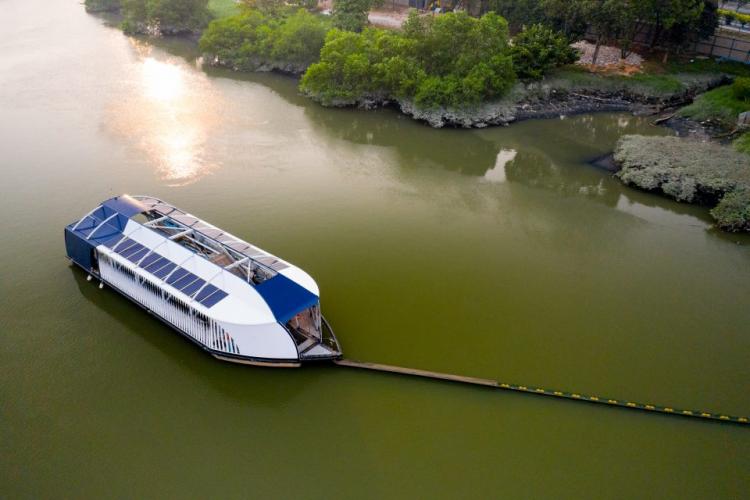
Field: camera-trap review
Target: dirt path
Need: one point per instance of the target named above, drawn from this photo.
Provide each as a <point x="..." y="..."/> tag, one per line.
<point x="389" y="18"/>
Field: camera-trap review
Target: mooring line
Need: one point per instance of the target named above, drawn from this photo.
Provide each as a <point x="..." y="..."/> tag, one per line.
<point x="706" y="415"/>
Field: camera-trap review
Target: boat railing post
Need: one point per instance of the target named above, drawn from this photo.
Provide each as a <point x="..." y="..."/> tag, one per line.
<point x="100" y="225"/>
<point x="85" y="217"/>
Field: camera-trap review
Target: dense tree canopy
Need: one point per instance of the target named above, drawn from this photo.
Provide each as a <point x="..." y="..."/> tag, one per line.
<point x="290" y="40"/>
<point x="519" y="13"/>
<point x="170" y="16"/>
<point x="351" y="15"/>
<point x="448" y="60"/>
<point x="538" y="49"/>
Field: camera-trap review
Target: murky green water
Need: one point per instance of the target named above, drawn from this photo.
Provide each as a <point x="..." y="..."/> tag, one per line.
<point x="497" y="253"/>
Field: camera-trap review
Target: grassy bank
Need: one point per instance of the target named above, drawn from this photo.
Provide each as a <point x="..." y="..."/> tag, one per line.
<point x="722" y="106"/>
<point x="719" y="106"/>
<point x="692" y="172"/>
<point x="642" y="86"/>
<point x="657" y="81"/>
<point x="742" y="143"/>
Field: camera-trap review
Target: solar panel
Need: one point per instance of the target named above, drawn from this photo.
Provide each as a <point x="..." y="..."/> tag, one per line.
<point x="207" y="290"/>
<point x="184" y="281"/>
<point x="150" y="260"/>
<point x="122" y="243"/>
<point x="210" y="232"/>
<point x="156" y="265"/>
<point x="132" y="249"/>
<point x="238" y="245"/>
<point x="177" y="275"/>
<point x="126" y="246"/>
<point x="193" y="287"/>
<point x="113" y="241"/>
<point x="161" y="272"/>
<point x="165" y="209"/>
<point x="188" y="220"/>
<point x="138" y="254"/>
<point x="214" y="298"/>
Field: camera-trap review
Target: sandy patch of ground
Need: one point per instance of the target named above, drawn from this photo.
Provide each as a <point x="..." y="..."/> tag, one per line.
<point x="391" y="17"/>
<point x="388" y="17"/>
<point x="609" y="59"/>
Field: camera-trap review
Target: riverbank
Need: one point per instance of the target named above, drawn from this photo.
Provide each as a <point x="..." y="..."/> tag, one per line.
<point x="258" y="42"/>
<point x="570" y="92"/>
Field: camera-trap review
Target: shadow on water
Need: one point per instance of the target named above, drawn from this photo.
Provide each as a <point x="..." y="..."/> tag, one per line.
<point x="456" y="150"/>
<point x="238" y="382"/>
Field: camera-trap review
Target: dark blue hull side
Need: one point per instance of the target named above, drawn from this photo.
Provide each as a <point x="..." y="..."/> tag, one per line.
<point x="79" y="249"/>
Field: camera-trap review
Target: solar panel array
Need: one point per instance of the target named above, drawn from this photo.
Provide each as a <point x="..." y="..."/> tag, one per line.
<point x="161" y="267"/>
<point x="200" y="226"/>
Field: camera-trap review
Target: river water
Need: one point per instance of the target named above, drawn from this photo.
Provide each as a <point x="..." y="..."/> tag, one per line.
<point x="497" y="253"/>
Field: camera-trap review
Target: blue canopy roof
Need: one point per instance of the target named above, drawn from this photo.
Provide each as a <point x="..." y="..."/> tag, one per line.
<point x="125" y="205"/>
<point x="285" y="297"/>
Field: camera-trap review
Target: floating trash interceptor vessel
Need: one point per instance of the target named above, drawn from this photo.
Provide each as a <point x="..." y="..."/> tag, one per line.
<point x="233" y="299"/>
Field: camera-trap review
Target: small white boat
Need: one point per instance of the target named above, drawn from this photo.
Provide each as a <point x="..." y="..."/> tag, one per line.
<point x="233" y="299"/>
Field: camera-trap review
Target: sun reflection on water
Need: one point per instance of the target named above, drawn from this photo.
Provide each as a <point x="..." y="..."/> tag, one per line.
<point x="162" y="81"/>
<point x="168" y="113"/>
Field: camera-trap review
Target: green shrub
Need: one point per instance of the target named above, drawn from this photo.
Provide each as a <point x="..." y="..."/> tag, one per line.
<point x="351" y="15"/>
<point x="733" y="211"/>
<point x="690" y="171"/>
<point x="538" y="49"/>
<point x="450" y="60"/>
<point x="299" y="38"/>
<point x="290" y="41"/>
<point x="170" y="16"/>
<point x="741" y="89"/>
<point x="355" y="66"/>
<point x="102" y="5"/>
<point x="469" y="55"/>
<point x="742" y="143"/>
<point x="730" y="15"/>
<point x="519" y="13"/>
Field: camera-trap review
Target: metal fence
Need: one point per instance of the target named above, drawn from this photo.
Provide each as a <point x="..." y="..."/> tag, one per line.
<point x="725" y="47"/>
<point x="720" y="45"/>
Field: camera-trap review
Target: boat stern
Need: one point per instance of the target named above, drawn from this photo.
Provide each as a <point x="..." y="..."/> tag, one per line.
<point x="326" y="348"/>
<point x="313" y="336"/>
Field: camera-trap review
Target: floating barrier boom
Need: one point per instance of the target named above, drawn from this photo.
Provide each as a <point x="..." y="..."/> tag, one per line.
<point x="543" y="392"/>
